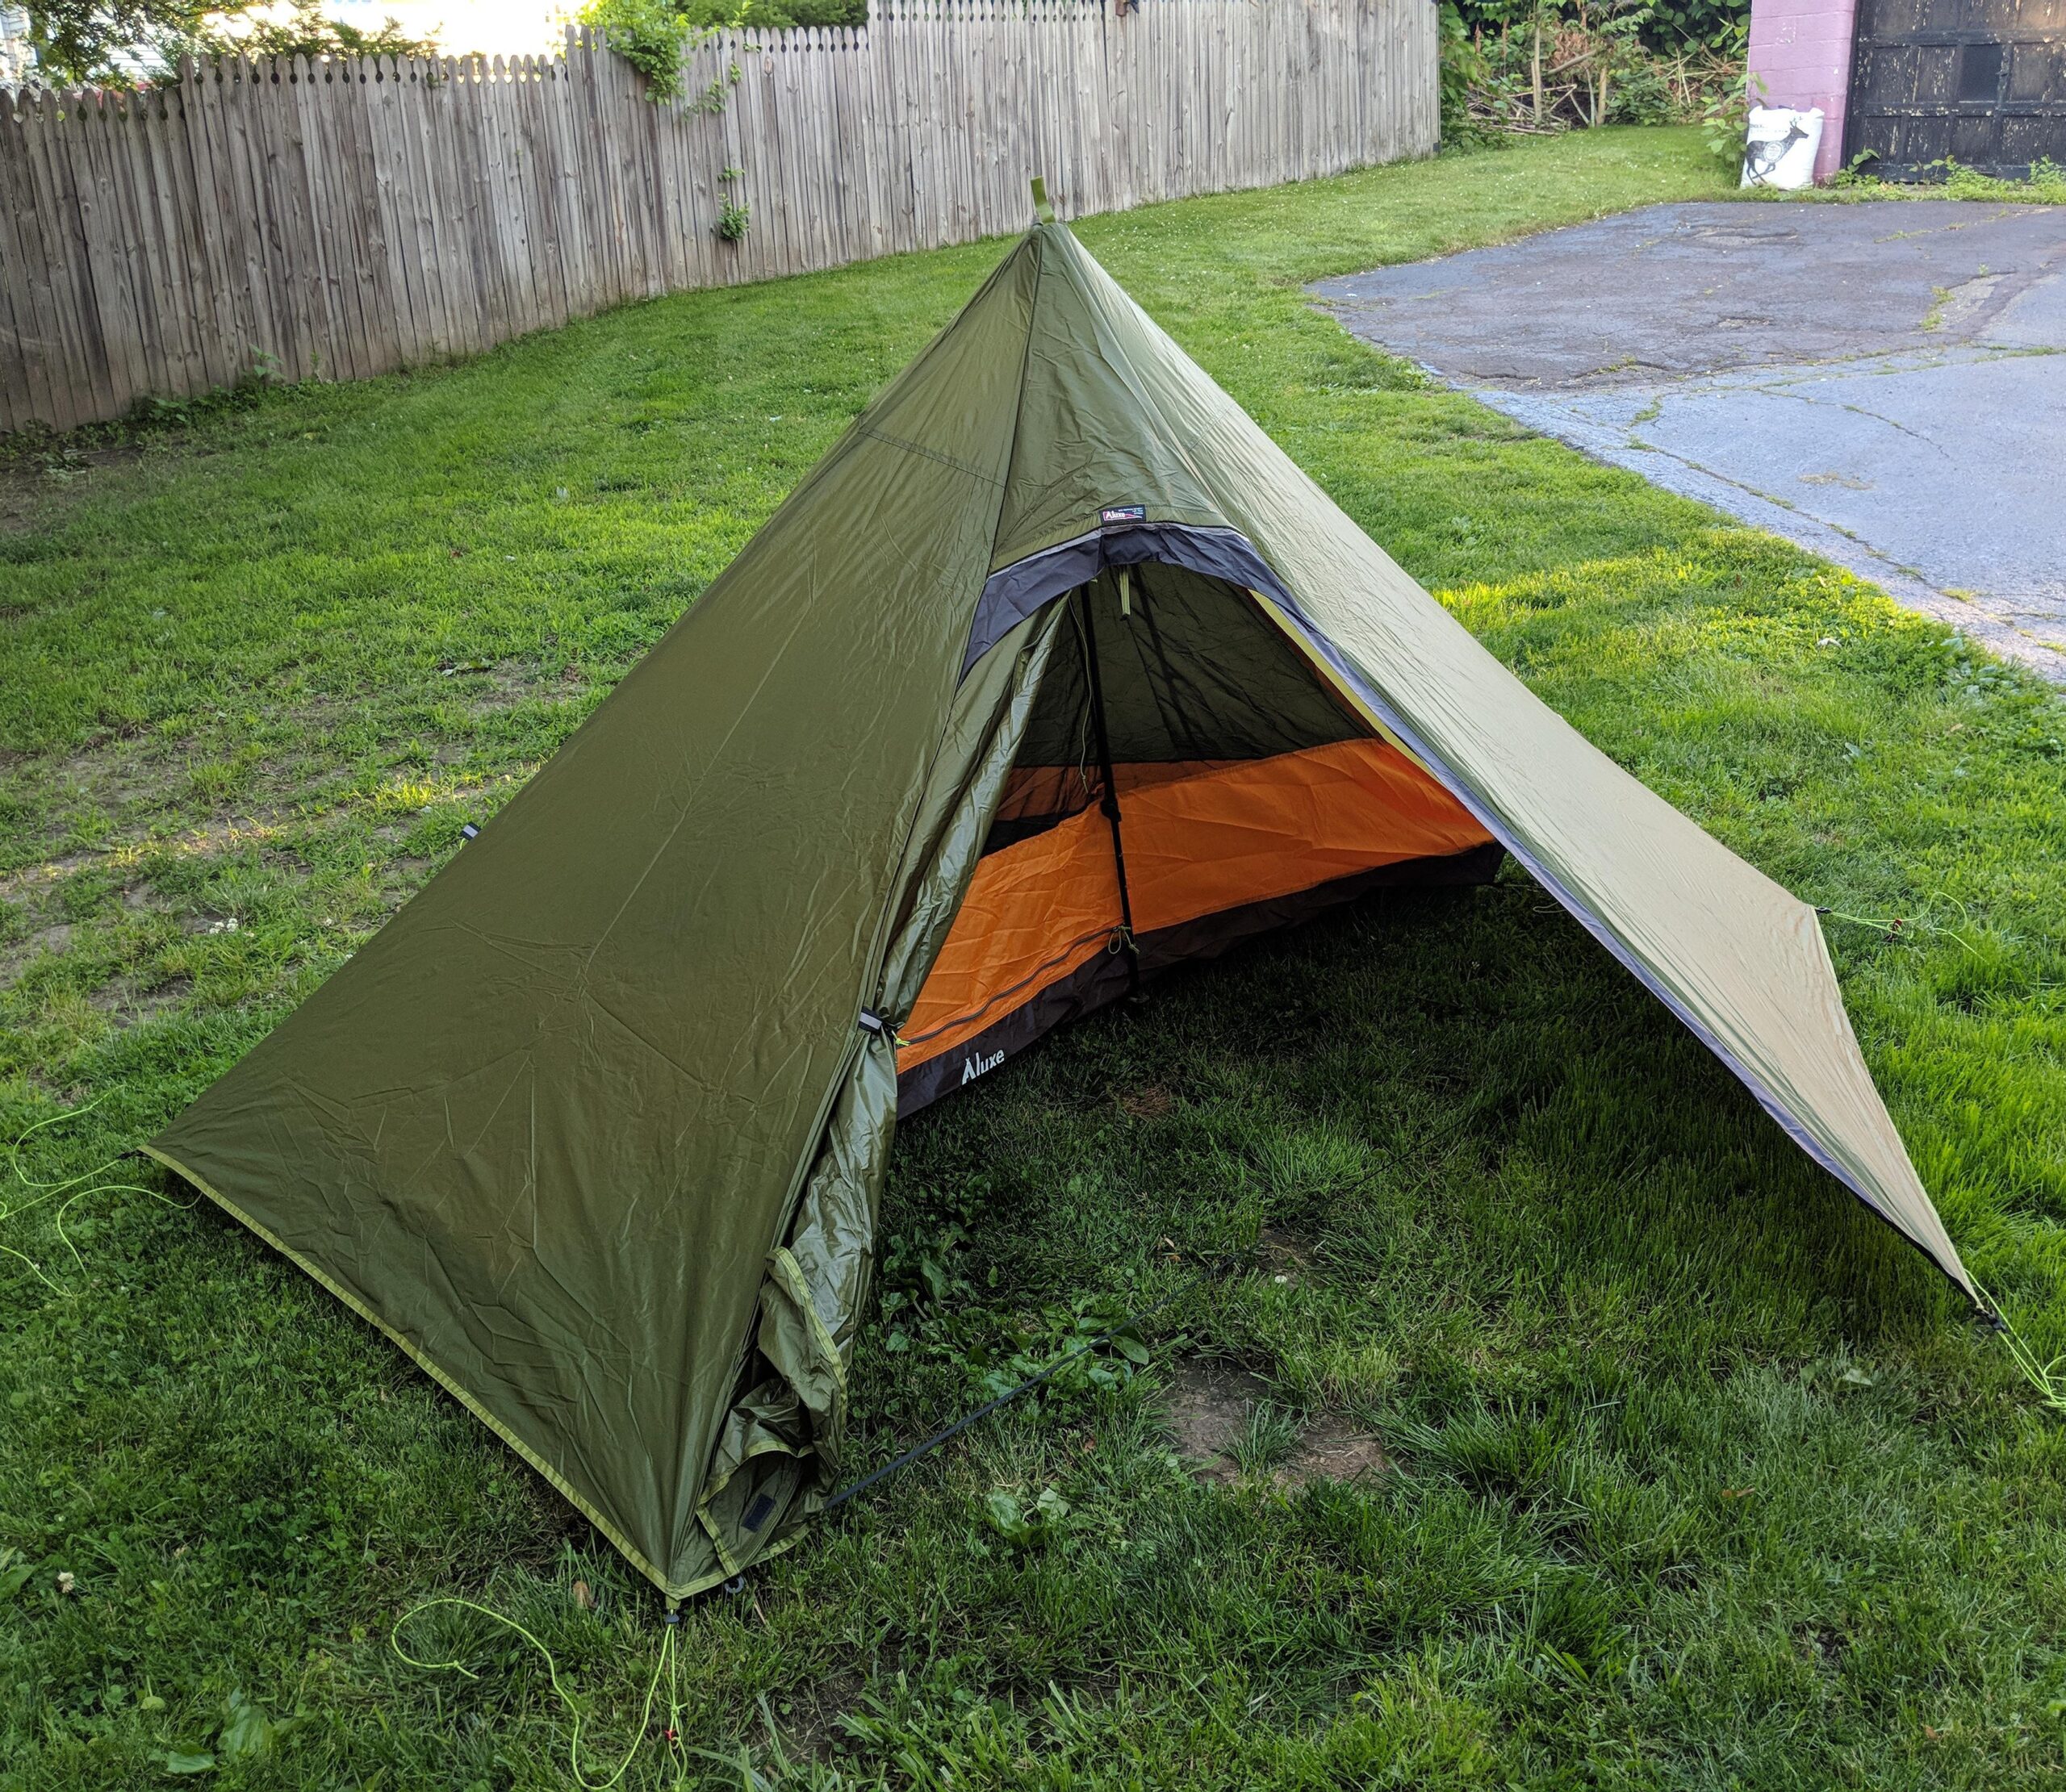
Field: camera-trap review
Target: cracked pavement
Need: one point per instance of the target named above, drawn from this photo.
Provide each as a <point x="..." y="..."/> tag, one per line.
<point x="1884" y="383"/>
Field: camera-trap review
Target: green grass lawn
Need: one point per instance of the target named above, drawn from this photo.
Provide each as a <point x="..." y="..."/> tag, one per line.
<point x="1698" y="1478"/>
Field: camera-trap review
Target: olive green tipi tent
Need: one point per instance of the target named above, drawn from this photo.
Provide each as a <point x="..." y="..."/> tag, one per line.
<point x="1055" y="671"/>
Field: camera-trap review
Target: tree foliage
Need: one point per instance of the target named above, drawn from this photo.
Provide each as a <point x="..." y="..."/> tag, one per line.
<point x="121" y="43"/>
<point x="310" y="31"/>
<point x="115" y="42"/>
<point x="654" y="35"/>
<point x="1668" y="25"/>
<point x="775" y="15"/>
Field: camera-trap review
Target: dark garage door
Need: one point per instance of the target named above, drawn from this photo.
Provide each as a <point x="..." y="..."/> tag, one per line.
<point x="1980" y="82"/>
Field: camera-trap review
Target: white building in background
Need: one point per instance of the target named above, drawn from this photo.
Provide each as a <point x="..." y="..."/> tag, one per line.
<point x="492" y="27"/>
<point x="16" y="58"/>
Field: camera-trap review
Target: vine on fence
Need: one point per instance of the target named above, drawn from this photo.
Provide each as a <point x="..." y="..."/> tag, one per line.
<point x="735" y="216"/>
<point x="711" y="98"/>
<point x="656" y="38"/>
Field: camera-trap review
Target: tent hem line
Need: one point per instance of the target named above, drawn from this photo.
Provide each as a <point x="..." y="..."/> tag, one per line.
<point x="442" y="1377"/>
<point x="1593" y="925"/>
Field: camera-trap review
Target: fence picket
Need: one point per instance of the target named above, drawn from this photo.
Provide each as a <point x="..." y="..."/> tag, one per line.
<point x="25" y="390"/>
<point x="341" y="219"/>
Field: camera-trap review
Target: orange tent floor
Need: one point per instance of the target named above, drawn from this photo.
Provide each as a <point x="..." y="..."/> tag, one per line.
<point x="1215" y="851"/>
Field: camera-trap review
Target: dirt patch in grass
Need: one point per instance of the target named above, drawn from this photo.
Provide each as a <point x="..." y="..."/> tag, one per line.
<point x="119" y="776"/>
<point x="39" y="473"/>
<point x="1286" y="1259"/>
<point x="1332" y="1448"/>
<point x="812" y="1719"/>
<point x="125" y="1001"/>
<point x="212" y="840"/>
<point x="1215" y="1410"/>
<point x="16" y="958"/>
<point x="486" y="686"/>
<point x="34" y="879"/>
<point x="57" y="939"/>
<point x="1206" y="1408"/>
<point x="1821" y="1645"/>
<point x="1151" y="1103"/>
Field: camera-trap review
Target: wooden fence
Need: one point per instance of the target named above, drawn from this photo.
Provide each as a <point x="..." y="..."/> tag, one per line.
<point x="342" y="218"/>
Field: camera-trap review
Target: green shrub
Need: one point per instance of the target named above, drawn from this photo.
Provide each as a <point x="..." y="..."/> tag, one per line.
<point x="776" y="15"/>
<point x="1668" y="26"/>
<point x="655" y="36"/>
<point x="652" y="35"/>
<point x="1643" y="94"/>
<point x="1726" y="121"/>
<point x="1464" y="72"/>
<point x="1547" y="66"/>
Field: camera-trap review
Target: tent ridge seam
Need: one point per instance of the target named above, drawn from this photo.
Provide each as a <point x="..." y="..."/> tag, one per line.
<point x="878" y="940"/>
<point x="1011" y="453"/>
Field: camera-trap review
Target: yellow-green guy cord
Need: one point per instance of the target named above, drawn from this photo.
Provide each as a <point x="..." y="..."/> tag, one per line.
<point x="1894" y="925"/>
<point x="50" y="1191"/>
<point x="666" y="1658"/>
<point x="2045" y="1378"/>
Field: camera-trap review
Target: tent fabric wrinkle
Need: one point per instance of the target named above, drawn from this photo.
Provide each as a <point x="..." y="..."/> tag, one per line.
<point x="595" y="1129"/>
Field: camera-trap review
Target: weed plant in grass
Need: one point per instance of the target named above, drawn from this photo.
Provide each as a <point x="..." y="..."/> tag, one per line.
<point x="2045" y="185"/>
<point x="1701" y="1479"/>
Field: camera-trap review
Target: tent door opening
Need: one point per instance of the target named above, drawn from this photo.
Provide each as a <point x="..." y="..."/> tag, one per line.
<point x="1187" y="780"/>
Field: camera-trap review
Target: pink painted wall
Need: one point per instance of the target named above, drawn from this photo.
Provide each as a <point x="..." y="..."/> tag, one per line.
<point x="1800" y="49"/>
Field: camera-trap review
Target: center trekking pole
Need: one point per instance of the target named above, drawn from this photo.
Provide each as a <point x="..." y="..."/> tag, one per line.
<point x="1110" y="801"/>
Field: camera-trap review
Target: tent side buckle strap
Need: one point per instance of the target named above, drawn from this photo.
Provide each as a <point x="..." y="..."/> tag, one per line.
<point x="882" y="1027"/>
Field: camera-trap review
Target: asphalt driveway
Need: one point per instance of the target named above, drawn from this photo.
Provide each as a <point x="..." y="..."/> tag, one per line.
<point x="1884" y="383"/>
